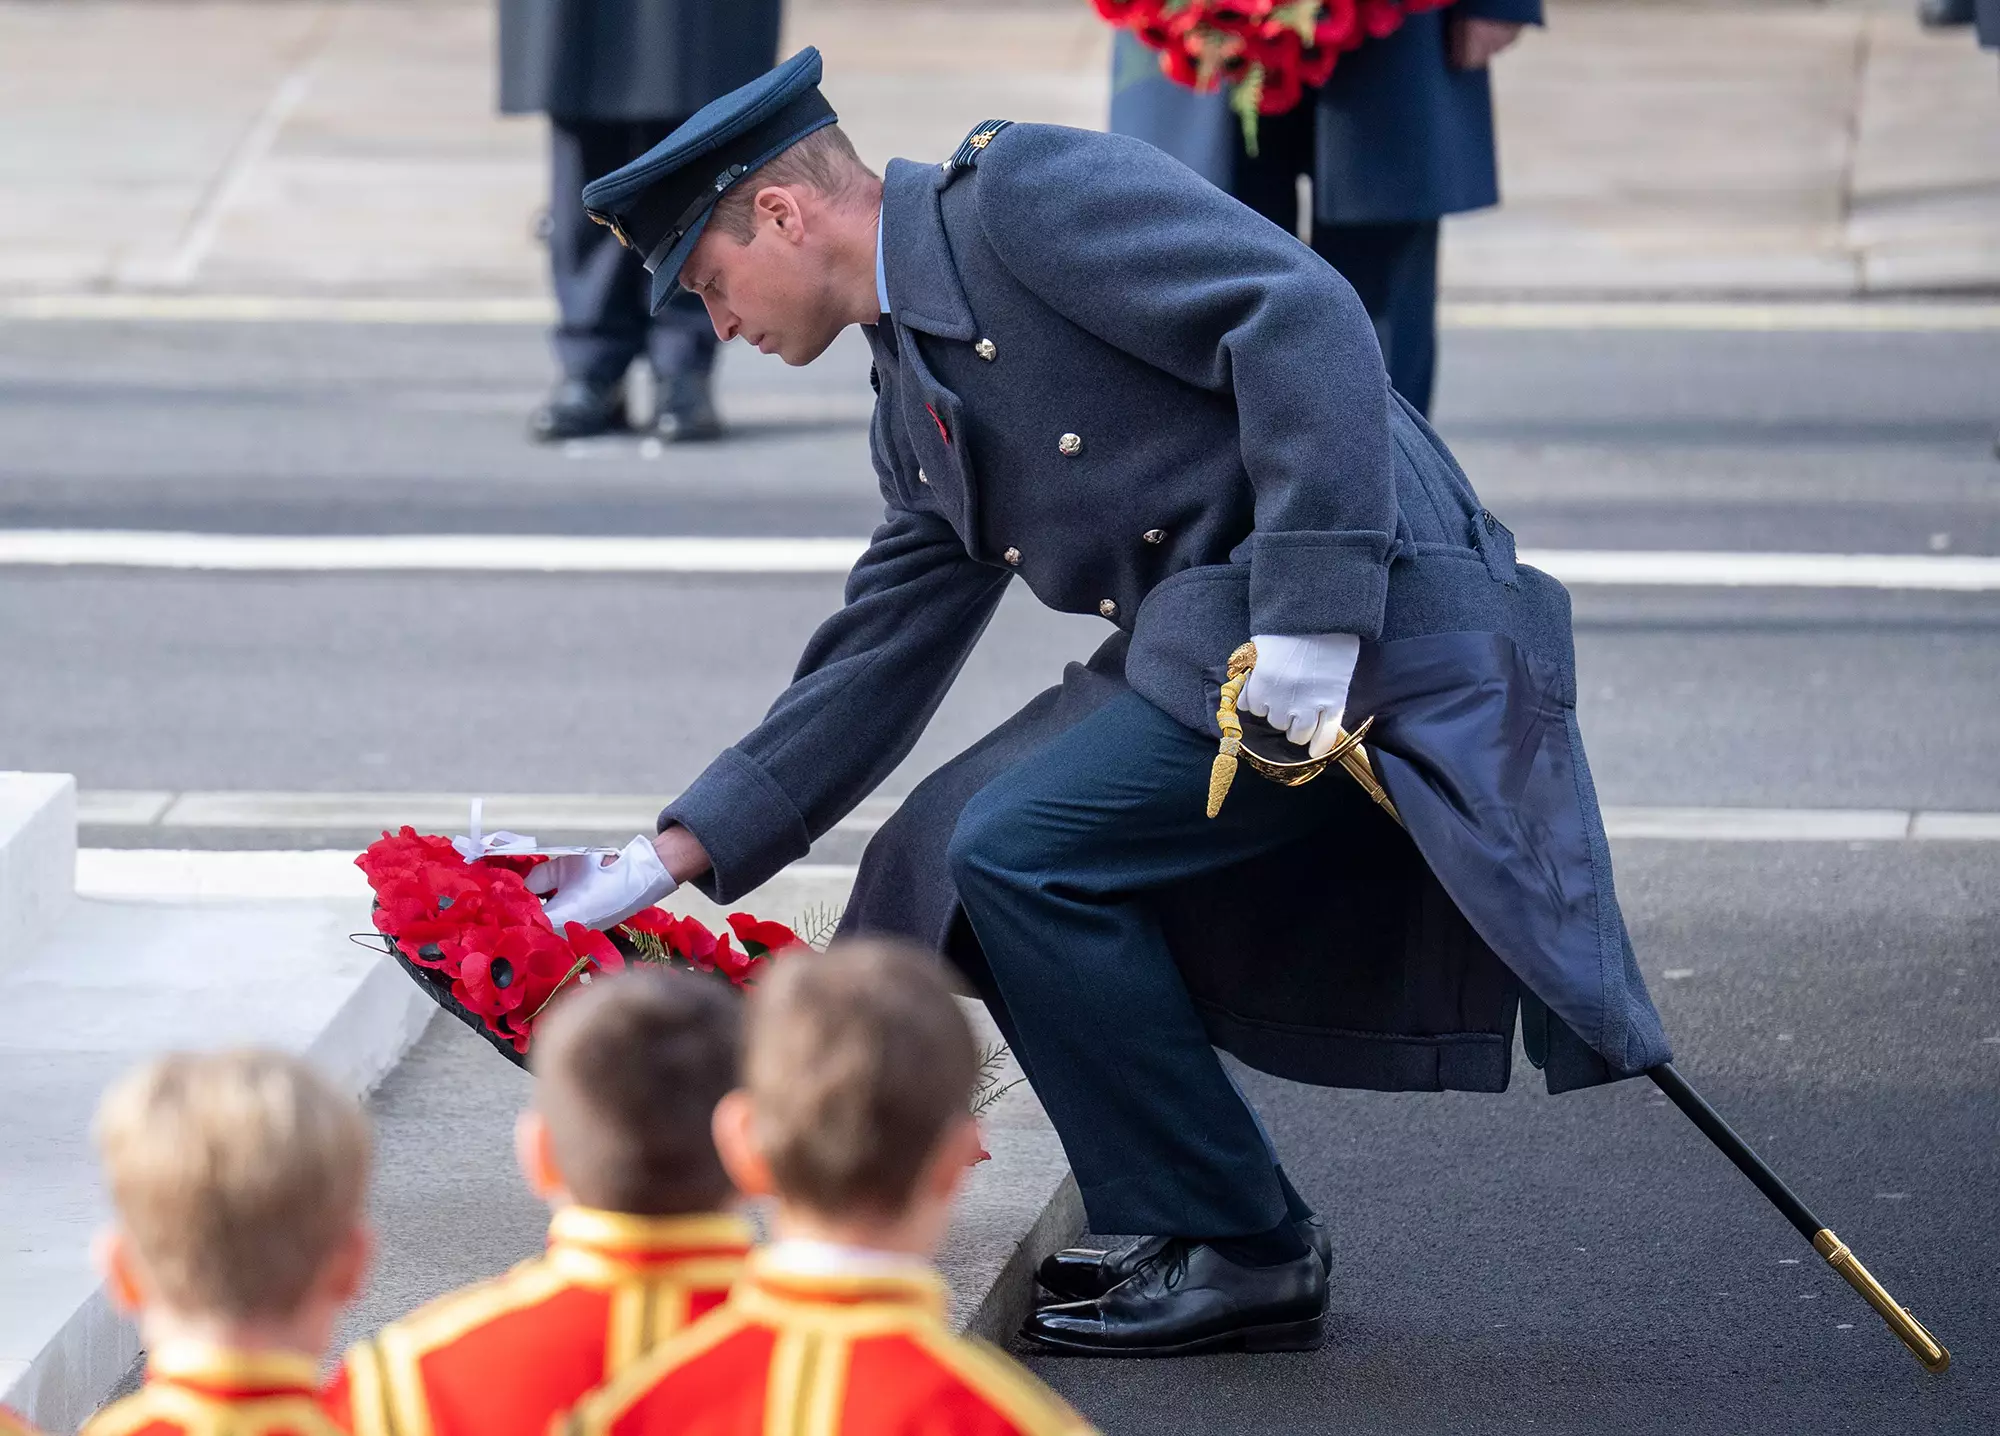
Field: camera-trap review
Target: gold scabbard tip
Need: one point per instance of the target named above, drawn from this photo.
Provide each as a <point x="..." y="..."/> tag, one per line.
<point x="1925" y="1347"/>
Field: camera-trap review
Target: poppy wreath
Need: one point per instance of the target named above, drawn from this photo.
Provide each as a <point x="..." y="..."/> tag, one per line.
<point x="481" y="945"/>
<point x="1267" y="53"/>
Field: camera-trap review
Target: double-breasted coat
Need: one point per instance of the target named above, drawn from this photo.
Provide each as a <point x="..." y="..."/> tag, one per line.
<point x="1104" y="377"/>
<point x="630" y="59"/>
<point x="1399" y="135"/>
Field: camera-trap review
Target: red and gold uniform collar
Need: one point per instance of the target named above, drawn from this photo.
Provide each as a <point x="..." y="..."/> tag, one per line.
<point x="770" y="1287"/>
<point x="586" y="1241"/>
<point x="230" y="1374"/>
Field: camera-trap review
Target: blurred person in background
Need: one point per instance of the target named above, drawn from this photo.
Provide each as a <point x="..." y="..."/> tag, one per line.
<point x="1399" y="137"/>
<point x="615" y="77"/>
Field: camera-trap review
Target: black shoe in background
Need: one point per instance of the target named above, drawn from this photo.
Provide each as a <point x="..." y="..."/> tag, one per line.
<point x="1940" y="14"/>
<point x="685" y="411"/>
<point x="1085" y="1274"/>
<point x="1188" y="1298"/>
<point x="578" y="409"/>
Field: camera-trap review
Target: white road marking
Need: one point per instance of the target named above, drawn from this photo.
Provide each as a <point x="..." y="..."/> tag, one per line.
<point x="178" y="875"/>
<point x="536" y="813"/>
<point x="275" y="309"/>
<point x="1716" y="316"/>
<point x="530" y="813"/>
<point x="1962" y="573"/>
<point x="489" y="553"/>
<point x="1723" y="316"/>
<point x="720" y="554"/>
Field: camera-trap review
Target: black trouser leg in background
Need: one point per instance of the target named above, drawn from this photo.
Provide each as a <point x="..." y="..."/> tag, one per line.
<point x="602" y="289"/>
<point x="1393" y="267"/>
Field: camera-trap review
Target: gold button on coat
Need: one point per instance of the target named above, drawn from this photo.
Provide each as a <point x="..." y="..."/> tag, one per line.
<point x="1013" y="557"/>
<point x="1154" y="535"/>
<point x="1069" y="445"/>
<point x="1109" y="608"/>
<point x="986" y="349"/>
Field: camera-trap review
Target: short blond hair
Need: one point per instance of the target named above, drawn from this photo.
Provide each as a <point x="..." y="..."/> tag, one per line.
<point x="824" y="162"/>
<point x="857" y="1062"/>
<point x="236" y="1176"/>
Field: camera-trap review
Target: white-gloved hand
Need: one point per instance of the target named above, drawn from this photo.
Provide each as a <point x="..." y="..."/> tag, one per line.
<point x="600" y="890"/>
<point x="1299" y="685"/>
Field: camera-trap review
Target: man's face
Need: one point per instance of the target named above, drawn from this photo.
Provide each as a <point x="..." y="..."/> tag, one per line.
<point x="776" y="291"/>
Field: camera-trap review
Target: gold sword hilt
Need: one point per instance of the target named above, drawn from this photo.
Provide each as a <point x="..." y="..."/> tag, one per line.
<point x="1346" y="751"/>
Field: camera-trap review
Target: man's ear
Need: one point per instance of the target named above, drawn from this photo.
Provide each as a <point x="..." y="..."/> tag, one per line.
<point x="734" y="1128"/>
<point x="779" y="207"/>
<point x="346" y="1271"/>
<point x="535" y="1154"/>
<point x="112" y="1254"/>
<point x="958" y="1151"/>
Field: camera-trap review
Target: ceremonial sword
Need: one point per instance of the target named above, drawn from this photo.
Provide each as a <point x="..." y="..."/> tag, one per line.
<point x="1352" y="759"/>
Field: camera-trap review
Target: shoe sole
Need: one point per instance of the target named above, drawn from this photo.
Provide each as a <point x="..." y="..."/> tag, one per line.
<point x="1308" y="1335"/>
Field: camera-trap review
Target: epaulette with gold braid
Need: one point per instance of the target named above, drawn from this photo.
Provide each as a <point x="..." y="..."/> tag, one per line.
<point x="978" y="138"/>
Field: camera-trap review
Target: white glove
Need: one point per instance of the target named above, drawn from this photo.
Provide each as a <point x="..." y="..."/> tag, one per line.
<point x="600" y="890"/>
<point x="1299" y="685"/>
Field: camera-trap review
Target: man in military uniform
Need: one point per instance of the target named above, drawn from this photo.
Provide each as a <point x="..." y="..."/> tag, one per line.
<point x="1399" y="137"/>
<point x="615" y="77"/>
<point x="1101" y="375"/>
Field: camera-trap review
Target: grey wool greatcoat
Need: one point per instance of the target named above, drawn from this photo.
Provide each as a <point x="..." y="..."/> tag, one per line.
<point x="1105" y="377"/>
<point x="630" y="59"/>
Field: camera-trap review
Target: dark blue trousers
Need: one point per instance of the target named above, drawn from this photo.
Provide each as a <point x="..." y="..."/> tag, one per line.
<point x="603" y="292"/>
<point x="1054" y="860"/>
<point x="1393" y="267"/>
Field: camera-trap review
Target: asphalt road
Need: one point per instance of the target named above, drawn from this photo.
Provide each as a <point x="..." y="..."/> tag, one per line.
<point x="1575" y="1265"/>
<point x="1588" y="1264"/>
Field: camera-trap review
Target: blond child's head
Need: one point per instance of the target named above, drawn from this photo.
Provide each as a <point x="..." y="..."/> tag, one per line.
<point x="859" y="1072"/>
<point x="627" y="1074"/>
<point x="239" y="1181"/>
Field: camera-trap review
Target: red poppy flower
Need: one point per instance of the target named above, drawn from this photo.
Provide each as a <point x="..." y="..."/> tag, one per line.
<point x="1316" y="65"/>
<point x="759" y="937"/>
<point x="656" y="922"/>
<point x="1339" y="26"/>
<point x="690" y="941"/>
<point x="1178" y="64"/>
<point x="1381" y="18"/>
<point x="487" y="983"/>
<point x="1129" y="12"/>
<point x="1233" y="17"/>
<point x="588" y="942"/>
<point x="1282" y="90"/>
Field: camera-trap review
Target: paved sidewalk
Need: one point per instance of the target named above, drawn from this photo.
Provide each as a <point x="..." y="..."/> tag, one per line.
<point x="351" y="149"/>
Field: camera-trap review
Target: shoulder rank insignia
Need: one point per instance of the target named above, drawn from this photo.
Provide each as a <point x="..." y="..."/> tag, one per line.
<point x="967" y="154"/>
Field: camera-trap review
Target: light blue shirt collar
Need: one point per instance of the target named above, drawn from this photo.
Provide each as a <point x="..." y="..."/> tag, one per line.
<point x="881" y="269"/>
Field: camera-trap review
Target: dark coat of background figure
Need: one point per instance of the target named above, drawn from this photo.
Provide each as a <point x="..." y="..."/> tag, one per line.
<point x="1107" y="379"/>
<point x="615" y="77"/>
<point x="1395" y="140"/>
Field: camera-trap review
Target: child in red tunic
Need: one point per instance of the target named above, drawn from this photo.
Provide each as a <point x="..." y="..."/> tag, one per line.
<point x="627" y="1074"/>
<point x="238" y="1180"/>
<point x="859" y="1072"/>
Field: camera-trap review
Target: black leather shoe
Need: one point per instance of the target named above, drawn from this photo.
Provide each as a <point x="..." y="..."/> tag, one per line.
<point x="686" y="409"/>
<point x="1084" y="1274"/>
<point x="1189" y="1298"/>
<point x="578" y="409"/>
